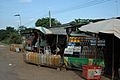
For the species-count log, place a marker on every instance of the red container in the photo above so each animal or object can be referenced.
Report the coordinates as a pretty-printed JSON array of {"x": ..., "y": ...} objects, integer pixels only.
[{"x": 91, "y": 72}]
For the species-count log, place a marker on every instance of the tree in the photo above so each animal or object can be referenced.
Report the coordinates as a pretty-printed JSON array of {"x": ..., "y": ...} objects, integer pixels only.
[
  {"x": 10, "y": 29},
  {"x": 10, "y": 36},
  {"x": 79, "y": 22},
  {"x": 22, "y": 29},
  {"x": 15, "y": 38},
  {"x": 2, "y": 34},
  {"x": 44, "y": 22}
]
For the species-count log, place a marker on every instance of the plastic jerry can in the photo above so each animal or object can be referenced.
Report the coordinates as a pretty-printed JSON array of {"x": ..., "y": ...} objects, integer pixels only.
[
  {"x": 44, "y": 59},
  {"x": 32, "y": 58},
  {"x": 27, "y": 57},
  {"x": 57, "y": 60},
  {"x": 42, "y": 56},
  {"x": 35, "y": 58},
  {"x": 50, "y": 56},
  {"x": 38, "y": 58},
  {"x": 47, "y": 59},
  {"x": 52, "y": 60}
]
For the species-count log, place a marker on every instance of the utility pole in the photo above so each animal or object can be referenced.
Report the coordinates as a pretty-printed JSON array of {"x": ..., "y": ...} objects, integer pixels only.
[{"x": 49, "y": 18}]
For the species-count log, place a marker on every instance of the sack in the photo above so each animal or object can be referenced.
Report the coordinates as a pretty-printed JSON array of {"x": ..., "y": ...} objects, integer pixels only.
[{"x": 57, "y": 49}]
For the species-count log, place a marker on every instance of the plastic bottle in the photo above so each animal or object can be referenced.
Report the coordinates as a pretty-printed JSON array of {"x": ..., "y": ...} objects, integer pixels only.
[{"x": 42, "y": 56}]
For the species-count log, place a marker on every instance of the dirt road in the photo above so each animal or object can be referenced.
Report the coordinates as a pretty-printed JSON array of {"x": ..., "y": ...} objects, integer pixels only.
[{"x": 12, "y": 67}]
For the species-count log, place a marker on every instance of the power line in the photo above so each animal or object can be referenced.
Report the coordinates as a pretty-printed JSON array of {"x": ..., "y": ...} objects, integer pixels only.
[
  {"x": 84, "y": 5},
  {"x": 28, "y": 23},
  {"x": 87, "y": 4},
  {"x": 32, "y": 21}
]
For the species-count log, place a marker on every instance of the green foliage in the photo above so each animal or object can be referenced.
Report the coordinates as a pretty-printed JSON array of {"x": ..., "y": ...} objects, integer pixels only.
[
  {"x": 10, "y": 29},
  {"x": 6, "y": 41},
  {"x": 2, "y": 34},
  {"x": 10, "y": 35},
  {"x": 79, "y": 22},
  {"x": 23, "y": 29},
  {"x": 15, "y": 38},
  {"x": 44, "y": 22}
]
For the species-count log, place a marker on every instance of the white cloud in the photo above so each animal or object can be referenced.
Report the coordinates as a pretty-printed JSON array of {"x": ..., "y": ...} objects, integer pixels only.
[{"x": 25, "y": 1}]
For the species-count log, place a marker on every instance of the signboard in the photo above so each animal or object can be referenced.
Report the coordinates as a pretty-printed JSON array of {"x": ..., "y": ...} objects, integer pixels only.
[{"x": 99, "y": 42}]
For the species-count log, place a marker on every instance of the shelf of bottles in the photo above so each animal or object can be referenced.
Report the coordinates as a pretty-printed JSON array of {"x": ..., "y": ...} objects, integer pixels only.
[{"x": 84, "y": 47}]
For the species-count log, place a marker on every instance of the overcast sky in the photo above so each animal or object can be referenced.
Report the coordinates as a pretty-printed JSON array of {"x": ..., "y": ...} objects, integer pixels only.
[{"x": 63, "y": 10}]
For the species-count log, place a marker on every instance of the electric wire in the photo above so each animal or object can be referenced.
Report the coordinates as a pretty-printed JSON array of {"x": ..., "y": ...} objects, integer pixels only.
[
  {"x": 84, "y": 5},
  {"x": 87, "y": 4}
]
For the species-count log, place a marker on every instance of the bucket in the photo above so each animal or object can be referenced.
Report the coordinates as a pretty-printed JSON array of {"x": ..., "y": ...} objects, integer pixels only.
[{"x": 17, "y": 50}]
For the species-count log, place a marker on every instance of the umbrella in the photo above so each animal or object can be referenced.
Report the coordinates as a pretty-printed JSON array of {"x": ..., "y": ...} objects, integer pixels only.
[
  {"x": 44, "y": 30},
  {"x": 110, "y": 26}
]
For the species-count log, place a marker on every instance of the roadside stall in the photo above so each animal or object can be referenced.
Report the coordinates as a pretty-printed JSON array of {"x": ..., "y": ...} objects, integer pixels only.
[
  {"x": 44, "y": 55},
  {"x": 81, "y": 50},
  {"x": 111, "y": 30},
  {"x": 59, "y": 43},
  {"x": 84, "y": 52}
]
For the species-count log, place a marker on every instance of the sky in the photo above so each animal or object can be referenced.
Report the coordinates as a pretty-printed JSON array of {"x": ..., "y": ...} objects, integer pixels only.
[{"x": 63, "y": 10}]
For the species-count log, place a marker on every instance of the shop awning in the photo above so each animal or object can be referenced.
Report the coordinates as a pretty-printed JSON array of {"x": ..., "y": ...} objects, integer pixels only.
[
  {"x": 44, "y": 30},
  {"x": 58, "y": 31},
  {"x": 110, "y": 26}
]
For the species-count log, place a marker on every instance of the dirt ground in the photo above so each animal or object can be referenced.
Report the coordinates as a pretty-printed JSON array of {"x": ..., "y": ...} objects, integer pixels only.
[{"x": 12, "y": 67}]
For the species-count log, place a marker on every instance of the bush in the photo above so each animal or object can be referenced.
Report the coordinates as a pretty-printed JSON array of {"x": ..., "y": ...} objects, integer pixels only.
[{"x": 15, "y": 39}]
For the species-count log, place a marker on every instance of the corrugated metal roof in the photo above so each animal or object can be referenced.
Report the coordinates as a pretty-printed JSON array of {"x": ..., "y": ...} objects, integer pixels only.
[
  {"x": 82, "y": 34},
  {"x": 59, "y": 31}
]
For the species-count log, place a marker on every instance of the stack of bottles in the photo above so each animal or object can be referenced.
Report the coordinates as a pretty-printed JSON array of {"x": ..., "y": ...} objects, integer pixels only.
[
  {"x": 80, "y": 40},
  {"x": 88, "y": 52},
  {"x": 74, "y": 39}
]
